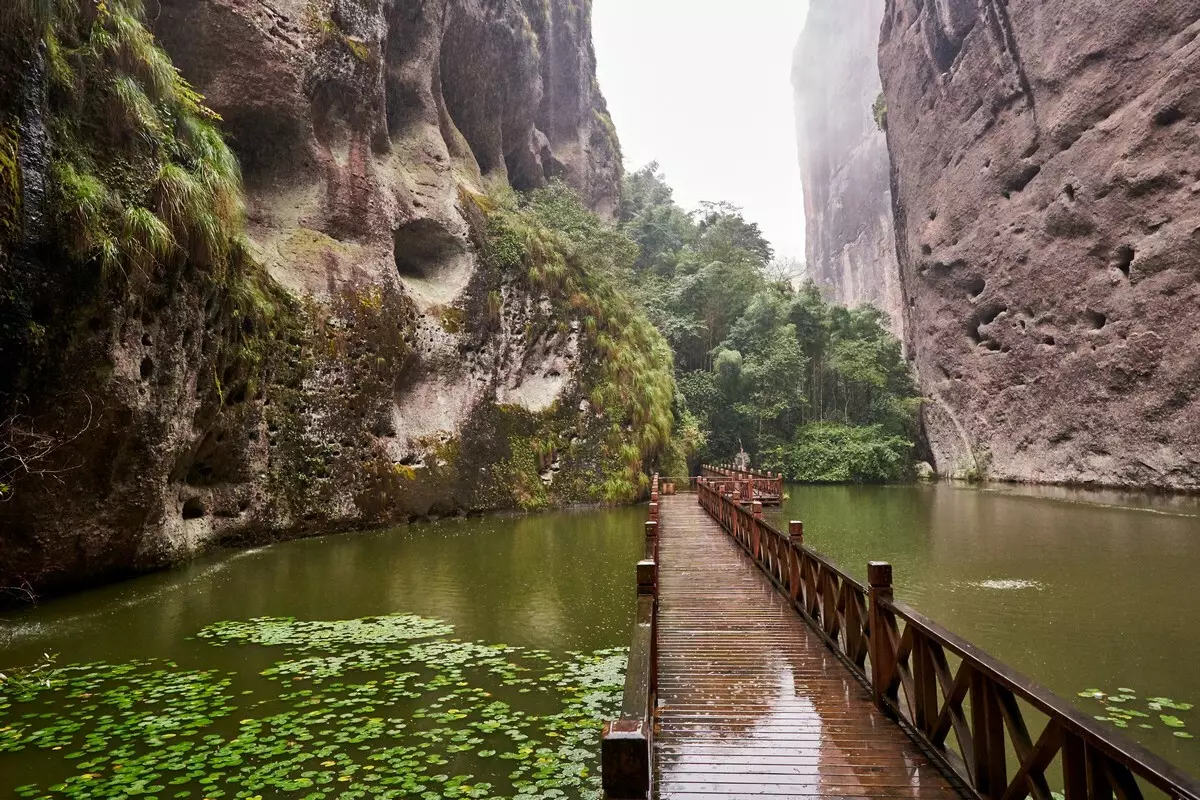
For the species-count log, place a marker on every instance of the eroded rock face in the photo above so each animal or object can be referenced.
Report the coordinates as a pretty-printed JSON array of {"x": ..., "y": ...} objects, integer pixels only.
[
  {"x": 1047, "y": 200},
  {"x": 850, "y": 243},
  {"x": 401, "y": 373}
]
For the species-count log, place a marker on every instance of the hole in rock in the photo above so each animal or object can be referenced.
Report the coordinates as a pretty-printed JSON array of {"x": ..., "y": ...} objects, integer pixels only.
[
  {"x": 1124, "y": 258},
  {"x": 1022, "y": 178},
  {"x": 1049, "y": 340},
  {"x": 425, "y": 249},
  {"x": 147, "y": 368},
  {"x": 988, "y": 316},
  {"x": 976, "y": 286},
  {"x": 1069, "y": 191},
  {"x": 1097, "y": 319},
  {"x": 1168, "y": 116},
  {"x": 926, "y": 250},
  {"x": 193, "y": 509}
]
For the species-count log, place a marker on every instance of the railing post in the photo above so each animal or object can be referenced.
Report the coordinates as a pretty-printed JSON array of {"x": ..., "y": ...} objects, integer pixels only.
[
  {"x": 757, "y": 507},
  {"x": 625, "y": 758},
  {"x": 652, "y": 542},
  {"x": 647, "y": 574},
  {"x": 879, "y": 576},
  {"x": 796, "y": 531},
  {"x": 654, "y": 509}
]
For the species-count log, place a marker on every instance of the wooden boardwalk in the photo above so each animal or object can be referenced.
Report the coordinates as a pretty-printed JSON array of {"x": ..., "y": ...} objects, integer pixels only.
[{"x": 751, "y": 701}]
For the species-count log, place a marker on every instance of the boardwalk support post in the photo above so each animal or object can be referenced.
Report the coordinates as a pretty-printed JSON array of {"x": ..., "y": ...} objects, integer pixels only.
[
  {"x": 879, "y": 576},
  {"x": 757, "y": 509},
  {"x": 796, "y": 531}
]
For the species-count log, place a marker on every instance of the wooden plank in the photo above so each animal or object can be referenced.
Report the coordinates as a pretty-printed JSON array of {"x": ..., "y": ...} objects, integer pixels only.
[{"x": 751, "y": 701}]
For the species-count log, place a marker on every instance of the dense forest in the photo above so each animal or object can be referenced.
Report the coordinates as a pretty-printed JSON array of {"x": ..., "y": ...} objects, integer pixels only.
[{"x": 812, "y": 389}]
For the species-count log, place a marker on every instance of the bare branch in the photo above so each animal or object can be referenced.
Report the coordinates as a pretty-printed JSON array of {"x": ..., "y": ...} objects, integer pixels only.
[{"x": 25, "y": 450}]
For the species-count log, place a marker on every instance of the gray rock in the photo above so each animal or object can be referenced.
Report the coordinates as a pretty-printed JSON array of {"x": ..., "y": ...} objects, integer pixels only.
[
  {"x": 1042, "y": 155},
  {"x": 851, "y": 249}
]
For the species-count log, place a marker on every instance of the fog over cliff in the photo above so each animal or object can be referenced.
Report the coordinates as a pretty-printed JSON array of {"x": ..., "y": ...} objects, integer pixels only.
[{"x": 850, "y": 248}]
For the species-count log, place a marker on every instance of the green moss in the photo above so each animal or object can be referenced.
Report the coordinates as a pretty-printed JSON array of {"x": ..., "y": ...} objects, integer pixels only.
[
  {"x": 452, "y": 319},
  {"x": 879, "y": 111},
  {"x": 610, "y": 131},
  {"x": 331, "y": 32},
  {"x": 10, "y": 184}
]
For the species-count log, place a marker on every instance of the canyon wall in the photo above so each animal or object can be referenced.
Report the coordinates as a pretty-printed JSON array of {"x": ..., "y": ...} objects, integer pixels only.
[
  {"x": 1047, "y": 205},
  {"x": 367, "y": 343},
  {"x": 851, "y": 250}
]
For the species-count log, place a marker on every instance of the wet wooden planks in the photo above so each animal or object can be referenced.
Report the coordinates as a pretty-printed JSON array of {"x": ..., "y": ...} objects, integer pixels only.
[{"x": 751, "y": 703}]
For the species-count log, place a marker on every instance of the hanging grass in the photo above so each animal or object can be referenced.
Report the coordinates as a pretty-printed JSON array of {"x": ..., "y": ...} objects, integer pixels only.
[
  {"x": 565, "y": 251},
  {"x": 145, "y": 237}
]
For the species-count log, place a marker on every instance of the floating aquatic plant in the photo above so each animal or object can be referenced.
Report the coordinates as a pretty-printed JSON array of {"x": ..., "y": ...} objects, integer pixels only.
[
  {"x": 385, "y": 707},
  {"x": 1119, "y": 710}
]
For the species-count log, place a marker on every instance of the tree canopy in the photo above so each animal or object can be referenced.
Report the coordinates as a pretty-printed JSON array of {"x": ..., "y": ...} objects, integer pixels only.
[{"x": 816, "y": 390}]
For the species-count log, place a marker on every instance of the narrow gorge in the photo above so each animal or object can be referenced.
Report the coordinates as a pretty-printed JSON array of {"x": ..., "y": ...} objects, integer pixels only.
[{"x": 1046, "y": 224}]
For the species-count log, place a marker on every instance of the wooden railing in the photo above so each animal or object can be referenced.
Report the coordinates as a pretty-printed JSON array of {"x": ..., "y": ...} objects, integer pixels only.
[
  {"x": 679, "y": 485},
  {"x": 748, "y": 485},
  {"x": 971, "y": 712},
  {"x": 626, "y": 743}
]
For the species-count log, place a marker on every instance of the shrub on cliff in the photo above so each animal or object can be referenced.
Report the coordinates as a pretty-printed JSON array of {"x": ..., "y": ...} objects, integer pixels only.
[{"x": 564, "y": 251}]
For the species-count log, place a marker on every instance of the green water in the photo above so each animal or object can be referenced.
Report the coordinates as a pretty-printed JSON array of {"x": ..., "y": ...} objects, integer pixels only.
[
  {"x": 560, "y": 583},
  {"x": 1077, "y": 589}
]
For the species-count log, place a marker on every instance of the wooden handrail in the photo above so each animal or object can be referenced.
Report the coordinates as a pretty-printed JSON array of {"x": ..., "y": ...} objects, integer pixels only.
[
  {"x": 905, "y": 659},
  {"x": 748, "y": 484},
  {"x": 626, "y": 743}
]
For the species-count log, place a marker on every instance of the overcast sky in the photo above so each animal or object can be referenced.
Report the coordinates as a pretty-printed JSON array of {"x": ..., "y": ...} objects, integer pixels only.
[{"x": 704, "y": 88}]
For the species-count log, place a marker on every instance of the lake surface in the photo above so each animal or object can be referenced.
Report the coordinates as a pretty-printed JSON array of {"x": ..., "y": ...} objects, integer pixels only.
[
  {"x": 530, "y": 599},
  {"x": 367, "y": 687},
  {"x": 1077, "y": 589}
]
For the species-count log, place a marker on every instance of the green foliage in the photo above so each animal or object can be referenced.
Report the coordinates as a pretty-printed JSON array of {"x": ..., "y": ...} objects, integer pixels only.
[
  {"x": 879, "y": 112},
  {"x": 156, "y": 139},
  {"x": 145, "y": 237},
  {"x": 760, "y": 360},
  {"x": 10, "y": 183},
  {"x": 829, "y": 452},
  {"x": 32, "y": 14},
  {"x": 550, "y": 240}
]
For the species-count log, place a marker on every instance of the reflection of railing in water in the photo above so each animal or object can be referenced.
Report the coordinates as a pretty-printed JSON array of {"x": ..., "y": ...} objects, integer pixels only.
[
  {"x": 747, "y": 485},
  {"x": 984, "y": 703},
  {"x": 626, "y": 743}
]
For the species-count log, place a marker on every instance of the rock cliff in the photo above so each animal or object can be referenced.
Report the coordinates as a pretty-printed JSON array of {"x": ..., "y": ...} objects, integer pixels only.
[
  {"x": 1047, "y": 202},
  {"x": 851, "y": 249},
  {"x": 366, "y": 334}
]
